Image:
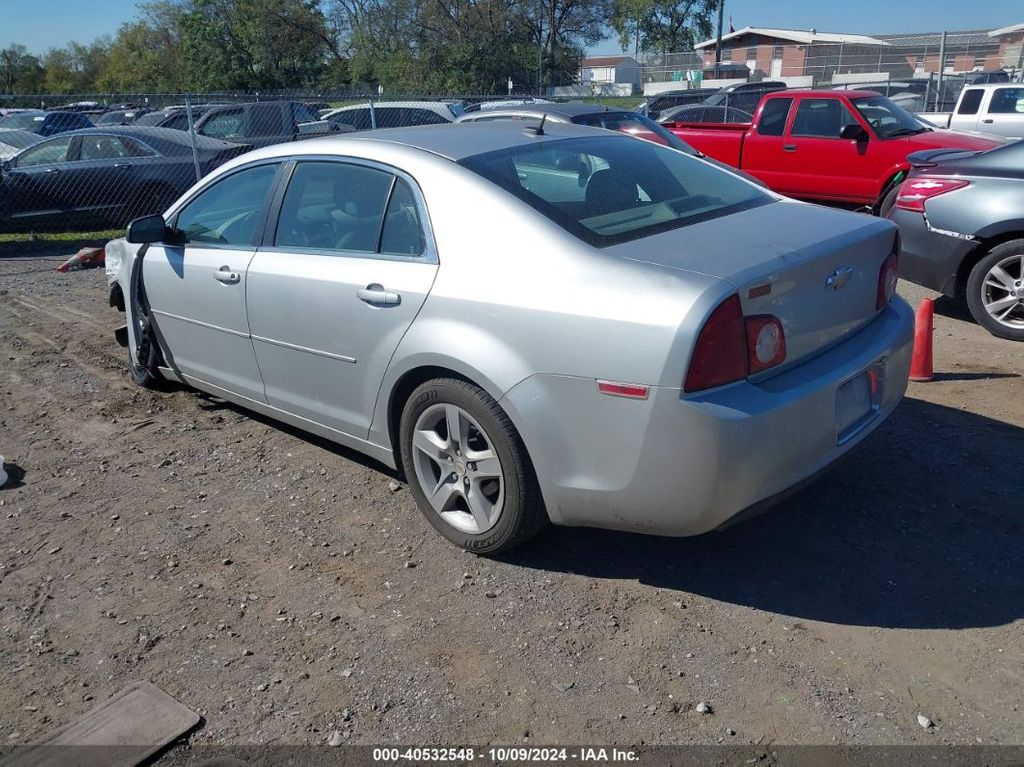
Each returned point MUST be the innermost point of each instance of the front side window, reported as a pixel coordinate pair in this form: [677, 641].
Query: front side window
[1007, 101]
[774, 116]
[610, 190]
[46, 153]
[334, 206]
[821, 118]
[228, 211]
[886, 118]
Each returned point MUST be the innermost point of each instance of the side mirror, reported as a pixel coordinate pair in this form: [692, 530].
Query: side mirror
[148, 229]
[853, 132]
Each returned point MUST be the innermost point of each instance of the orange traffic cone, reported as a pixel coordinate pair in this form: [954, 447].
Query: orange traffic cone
[921, 365]
[86, 258]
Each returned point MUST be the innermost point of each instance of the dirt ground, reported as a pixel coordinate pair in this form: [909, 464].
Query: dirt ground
[284, 588]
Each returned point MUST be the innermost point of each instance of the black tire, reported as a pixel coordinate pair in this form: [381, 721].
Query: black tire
[143, 365]
[888, 201]
[522, 514]
[976, 285]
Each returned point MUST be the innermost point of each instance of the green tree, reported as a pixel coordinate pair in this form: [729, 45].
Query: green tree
[663, 26]
[20, 71]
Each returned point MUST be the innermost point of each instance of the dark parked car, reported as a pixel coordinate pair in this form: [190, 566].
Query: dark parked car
[699, 113]
[594, 115]
[46, 123]
[122, 116]
[669, 99]
[173, 117]
[102, 177]
[264, 123]
[745, 96]
[962, 219]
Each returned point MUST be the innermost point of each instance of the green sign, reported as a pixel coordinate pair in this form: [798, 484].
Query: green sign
[677, 77]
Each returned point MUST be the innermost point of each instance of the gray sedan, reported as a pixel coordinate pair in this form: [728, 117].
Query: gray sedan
[559, 324]
[962, 219]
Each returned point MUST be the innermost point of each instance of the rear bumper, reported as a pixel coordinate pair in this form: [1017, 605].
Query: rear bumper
[682, 465]
[929, 257]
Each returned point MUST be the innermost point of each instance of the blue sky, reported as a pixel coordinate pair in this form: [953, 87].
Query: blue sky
[43, 24]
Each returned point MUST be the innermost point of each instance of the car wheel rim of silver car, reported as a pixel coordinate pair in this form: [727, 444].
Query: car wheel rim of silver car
[1002, 292]
[458, 469]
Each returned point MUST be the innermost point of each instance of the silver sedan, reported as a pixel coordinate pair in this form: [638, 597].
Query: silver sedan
[534, 324]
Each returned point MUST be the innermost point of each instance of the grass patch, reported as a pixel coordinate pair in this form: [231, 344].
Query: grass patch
[16, 244]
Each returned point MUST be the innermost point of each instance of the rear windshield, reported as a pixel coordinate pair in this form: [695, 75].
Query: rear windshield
[22, 121]
[611, 190]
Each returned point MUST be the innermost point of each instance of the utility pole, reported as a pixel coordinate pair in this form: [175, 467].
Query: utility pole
[942, 69]
[540, 48]
[718, 43]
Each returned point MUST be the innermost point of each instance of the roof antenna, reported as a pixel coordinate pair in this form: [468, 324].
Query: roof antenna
[539, 130]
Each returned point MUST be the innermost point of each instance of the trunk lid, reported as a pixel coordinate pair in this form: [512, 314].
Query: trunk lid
[780, 257]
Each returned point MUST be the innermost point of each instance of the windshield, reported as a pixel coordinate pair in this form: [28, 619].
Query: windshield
[607, 190]
[21, 120]
[635, 125]
[887, 119]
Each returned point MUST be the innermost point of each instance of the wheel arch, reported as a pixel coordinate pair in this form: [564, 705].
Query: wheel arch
[988, 239]
[893, 177]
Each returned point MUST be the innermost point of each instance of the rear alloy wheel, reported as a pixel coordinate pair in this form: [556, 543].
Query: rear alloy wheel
[995, 291]
[468, 469]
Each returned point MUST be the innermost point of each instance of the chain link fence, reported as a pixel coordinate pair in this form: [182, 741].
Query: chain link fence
[93, 162]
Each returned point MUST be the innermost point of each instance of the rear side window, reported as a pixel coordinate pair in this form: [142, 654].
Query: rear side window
[334, 206]
[402, 234]
[774, 116]
[228, 212]
[611, 190]
[1007, 101]
[970, 102]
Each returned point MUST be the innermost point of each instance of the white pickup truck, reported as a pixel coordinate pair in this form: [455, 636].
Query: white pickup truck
[994, 108]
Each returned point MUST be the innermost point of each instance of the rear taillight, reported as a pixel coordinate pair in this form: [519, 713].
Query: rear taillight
[730, 346]
[720, 356]
[887, 277]
[916, 191]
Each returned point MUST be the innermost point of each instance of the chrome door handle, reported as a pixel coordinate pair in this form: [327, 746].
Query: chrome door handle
[375, 294]
[225, 275]
[987, 120]
[122, 165]
[52, 170]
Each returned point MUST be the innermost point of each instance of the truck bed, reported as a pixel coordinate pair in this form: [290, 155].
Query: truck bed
[723, 141]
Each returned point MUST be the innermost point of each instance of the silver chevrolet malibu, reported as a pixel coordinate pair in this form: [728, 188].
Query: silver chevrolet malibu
[542, 323]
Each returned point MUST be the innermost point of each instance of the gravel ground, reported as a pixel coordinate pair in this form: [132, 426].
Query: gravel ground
[285, 588]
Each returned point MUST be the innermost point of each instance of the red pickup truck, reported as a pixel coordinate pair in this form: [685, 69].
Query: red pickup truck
[832, 146]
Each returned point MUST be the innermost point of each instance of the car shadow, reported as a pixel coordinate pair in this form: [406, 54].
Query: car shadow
[954, 309]
[922, 526]
[212, 403]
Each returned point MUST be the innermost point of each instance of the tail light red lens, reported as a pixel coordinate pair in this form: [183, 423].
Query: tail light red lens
[887, 277]
[730, 346]
[766, 342]
[915, 192]
[720, 356]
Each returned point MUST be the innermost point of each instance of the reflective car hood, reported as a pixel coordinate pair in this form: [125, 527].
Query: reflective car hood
[950, 139]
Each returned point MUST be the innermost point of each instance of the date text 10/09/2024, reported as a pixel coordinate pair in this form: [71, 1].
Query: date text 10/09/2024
[502, 754]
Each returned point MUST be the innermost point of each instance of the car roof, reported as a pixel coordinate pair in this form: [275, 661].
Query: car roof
[453, 141]
[569, 109]
[151, 135]
[432, 105]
